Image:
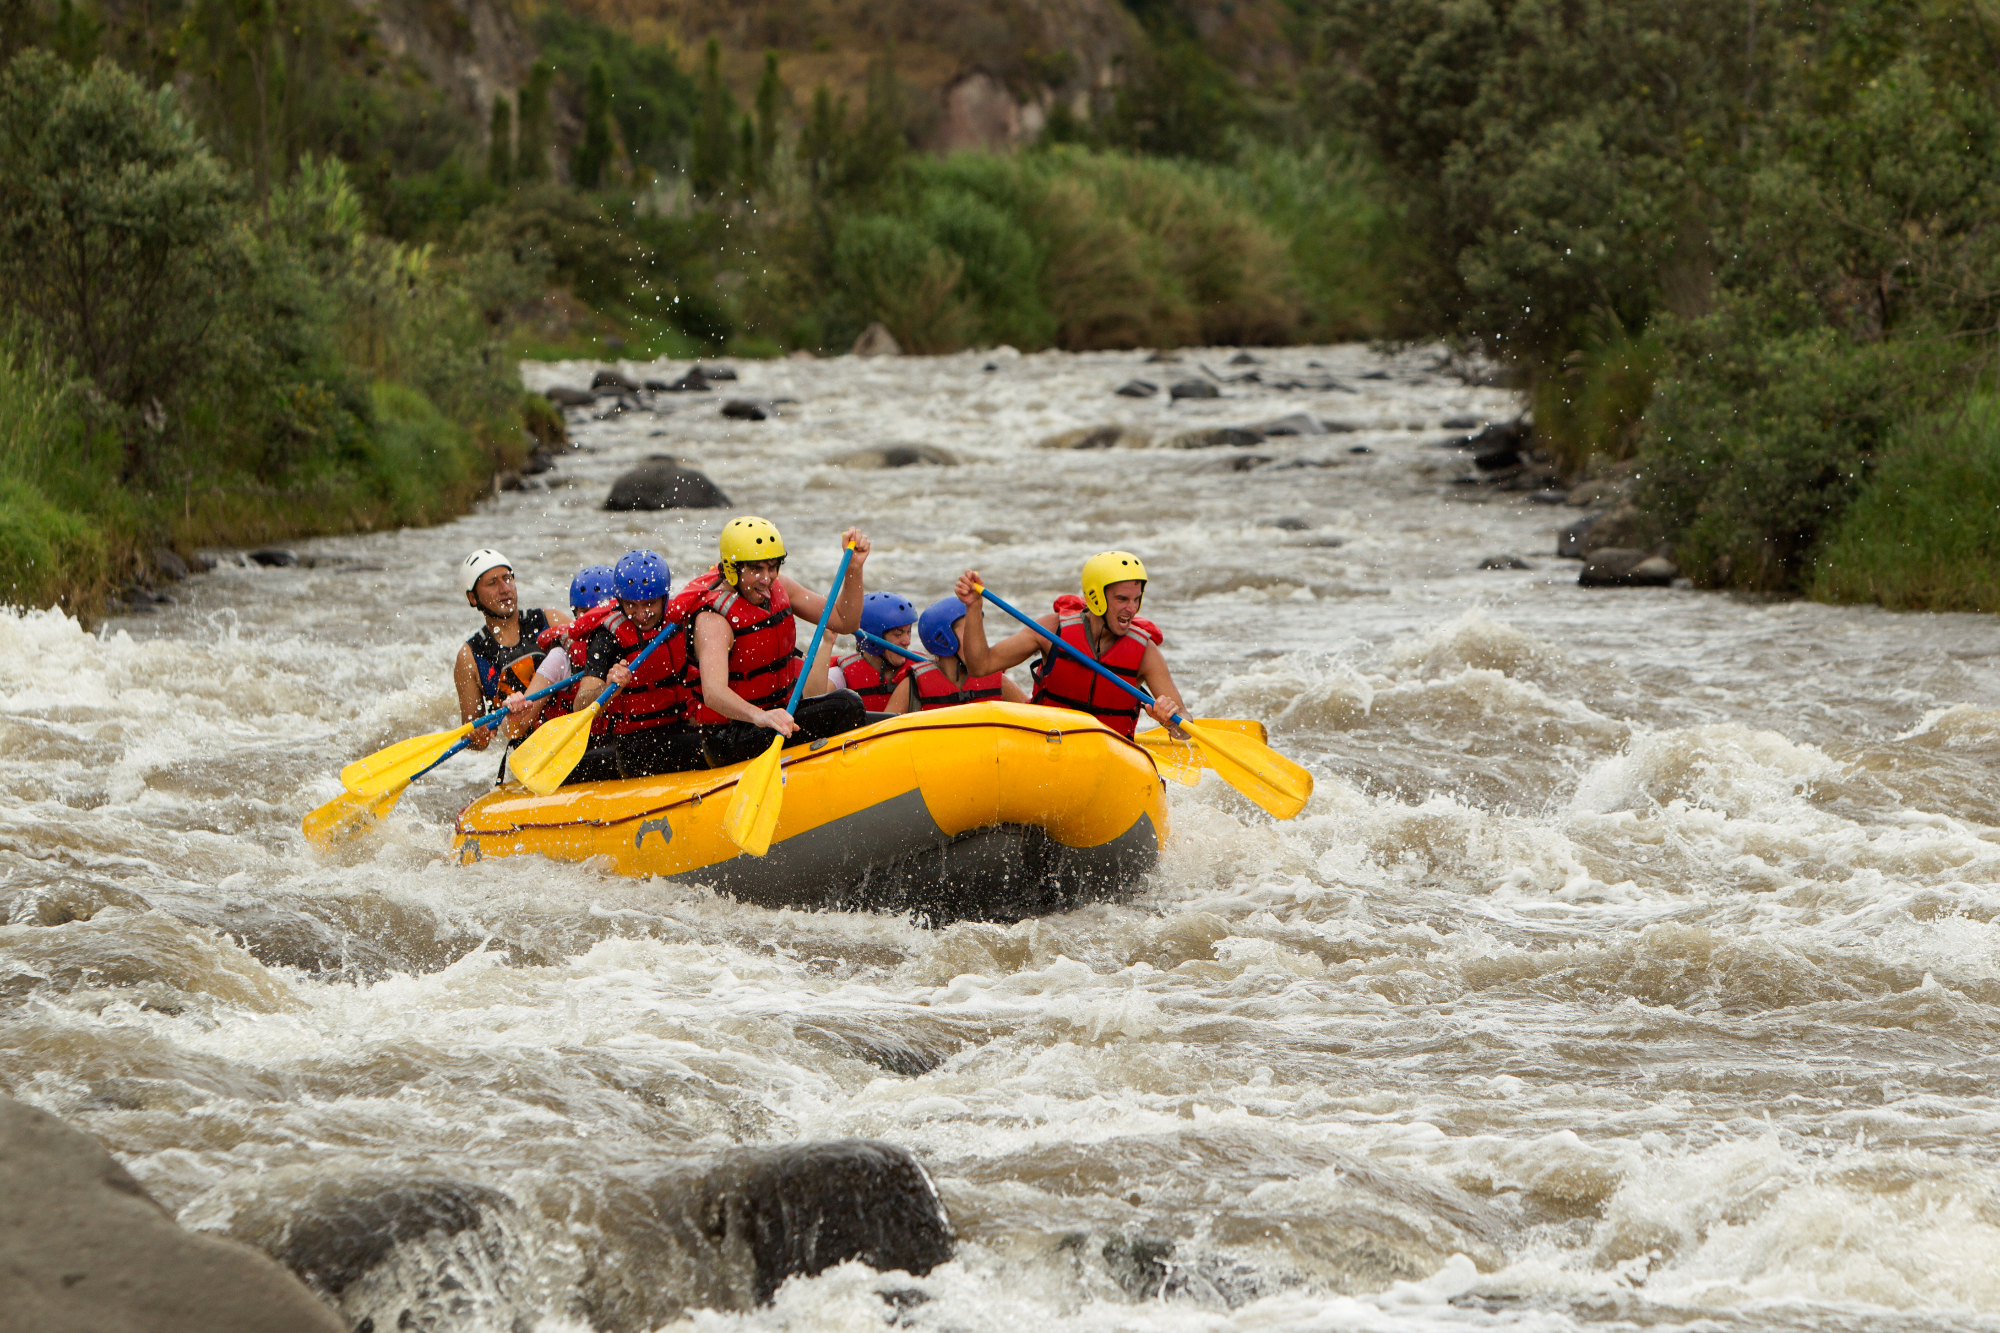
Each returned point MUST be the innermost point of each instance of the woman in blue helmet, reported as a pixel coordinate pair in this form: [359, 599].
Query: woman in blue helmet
[501, 658]
[944, 681]
[592, 598]
[875, 676]
[648, 717]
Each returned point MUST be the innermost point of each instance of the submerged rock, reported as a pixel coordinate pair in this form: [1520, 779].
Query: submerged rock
[876, 340]
[84, 1249]
[663, 483]
[898, 455]
[1298, 423]
[1622, 526]
[1098, 437]
[1569, 542]
[1137, 389]
[564, 396]
[749, 409]
[614, 382]
[1504, 562]
[1626, 567]
[272, 557]
[1194, 389]
[1224, 437]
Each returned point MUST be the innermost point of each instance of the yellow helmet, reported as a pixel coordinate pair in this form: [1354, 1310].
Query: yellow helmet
[749, 539]
[1104, 569]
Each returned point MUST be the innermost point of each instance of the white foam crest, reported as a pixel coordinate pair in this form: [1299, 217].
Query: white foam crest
[1471, 640]
[1735, 770]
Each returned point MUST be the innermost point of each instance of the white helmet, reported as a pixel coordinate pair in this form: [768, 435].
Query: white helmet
[479, 562]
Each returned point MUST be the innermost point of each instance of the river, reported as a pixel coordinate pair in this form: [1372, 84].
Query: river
[1634, 965]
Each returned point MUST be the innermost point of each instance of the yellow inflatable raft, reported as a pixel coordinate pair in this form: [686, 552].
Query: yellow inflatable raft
[995, 811]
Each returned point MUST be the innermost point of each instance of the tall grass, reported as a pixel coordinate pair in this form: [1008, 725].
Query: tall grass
[48, 552]
[1924, 533]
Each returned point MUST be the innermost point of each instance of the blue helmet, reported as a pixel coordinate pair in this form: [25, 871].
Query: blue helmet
[934, 626]
[591, 587]
[884, 611]
[641, 576]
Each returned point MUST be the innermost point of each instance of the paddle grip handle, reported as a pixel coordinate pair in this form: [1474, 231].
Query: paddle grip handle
[1066, 650]
[877, 641]
[489, 720]
[638, 662]
[819, 631]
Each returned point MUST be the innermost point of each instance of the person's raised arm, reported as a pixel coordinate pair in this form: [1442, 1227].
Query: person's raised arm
[846, 617]
[713, 639]
[980, 657]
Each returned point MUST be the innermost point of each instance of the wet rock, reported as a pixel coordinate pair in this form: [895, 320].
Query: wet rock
[1194, 389]
[613, 381]
[168, 564]
[727, 1235]
[1463, 423]
[564, 396]
[347, 1228]
[1098, 437]
[1359, 449]
[1325, 543]
[1163, 358]
[1235, 463]
[714, 374]
[61, 903]
[1290, 524]
[1298, 423]
[202, 562]
[875, 340]
[1548, 497]
[1224, 437]
[84, 1249]
[1137, 389]
[1626, 567]
[898, 455]
[1504, 562]
[272, 557]
[1244, 359]
[1333, 427]
[749, 409]
[1622, 526]
[1493, 437]
[663, 483]
[1374, 375]
[1493, 460]
[1569, 542]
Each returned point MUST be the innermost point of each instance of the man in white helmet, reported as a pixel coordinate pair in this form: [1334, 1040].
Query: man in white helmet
[501, 658]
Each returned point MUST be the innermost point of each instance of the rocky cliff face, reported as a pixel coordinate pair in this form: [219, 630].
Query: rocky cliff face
[474, 50]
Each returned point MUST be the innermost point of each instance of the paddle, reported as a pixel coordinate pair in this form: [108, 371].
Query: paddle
[877, 641]
[403, 761]
[752, 816]
[1252, 767]
[543, 760]
[340, 815]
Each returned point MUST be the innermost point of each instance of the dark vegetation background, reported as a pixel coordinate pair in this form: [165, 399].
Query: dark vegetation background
[266, 270]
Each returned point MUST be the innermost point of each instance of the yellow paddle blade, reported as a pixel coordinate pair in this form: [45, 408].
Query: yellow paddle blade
[1253, 768]
[553, 752]
[752, 816]
[346, 814]
[399, 762]
[1181, 760]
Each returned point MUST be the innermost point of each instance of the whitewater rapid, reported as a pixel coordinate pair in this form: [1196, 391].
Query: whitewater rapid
[1634, 965]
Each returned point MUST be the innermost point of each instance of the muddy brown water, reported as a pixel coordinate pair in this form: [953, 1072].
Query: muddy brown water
[1635, 964]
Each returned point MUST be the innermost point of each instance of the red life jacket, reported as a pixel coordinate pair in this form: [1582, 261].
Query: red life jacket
[569, 636]
[1062, 683]
[764, 659]
[578, 628]
[930, 689]
[658, 695]
[871, 682]
[1069, 604]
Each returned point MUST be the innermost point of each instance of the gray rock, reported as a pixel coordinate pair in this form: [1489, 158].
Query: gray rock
[1493, 460]
[1194, 389]
[695, 380]
[875, 340]
[614, 382]
[1235, 463]
[1290, 524]
[714, 374]
[1098, 437]
[1163, 358]
[1622, 526]
[749, 409]
[1569, 542]
[1298, 423]
[1333, 427]
[564, 396]
[1222, 437]
[272, 557]
[898, 455]
[1359, 449]
[1137, 389]
[168, 564]
[1325, 543]
[1244, 359]
[84, 1249]
[1463, 423]
[1625, 567]
[1504, 562]
[663, 483]
[1374, 375]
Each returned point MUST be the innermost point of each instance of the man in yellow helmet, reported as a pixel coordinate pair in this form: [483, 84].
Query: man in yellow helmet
[742, 619]
[1106, 627]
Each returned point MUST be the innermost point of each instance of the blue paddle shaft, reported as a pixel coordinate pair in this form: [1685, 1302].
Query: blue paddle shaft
[1068, 651]
[491, 719]
[877, 641]
[819, 630]
[637, 662]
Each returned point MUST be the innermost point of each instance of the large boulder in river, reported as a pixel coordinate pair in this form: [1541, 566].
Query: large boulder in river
[611, 381]
[876, 340]
[1194, 389]
[84, 1249]
[1626, 525]
[663, 483]
[1626, 567]
[564, 396]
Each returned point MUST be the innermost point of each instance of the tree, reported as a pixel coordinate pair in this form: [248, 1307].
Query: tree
[116, 234]
[531, 158]
[823, 139]
[713, 115]
[500, 143]
[770, 105]
[593, 155]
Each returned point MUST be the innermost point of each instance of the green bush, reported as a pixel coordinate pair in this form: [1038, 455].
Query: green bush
[1924, 532]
